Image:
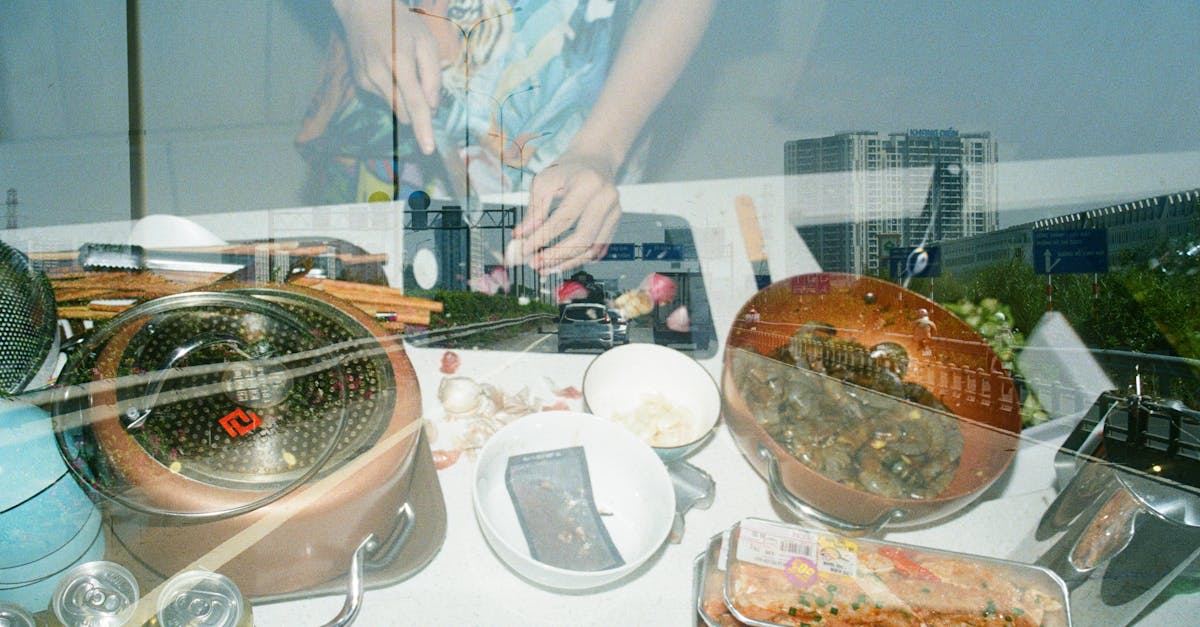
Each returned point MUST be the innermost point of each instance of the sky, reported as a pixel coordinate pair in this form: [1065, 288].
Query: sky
[227, 82]
[1048, 80]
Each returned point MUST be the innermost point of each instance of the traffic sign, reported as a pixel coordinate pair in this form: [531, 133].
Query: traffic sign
[908, 262]
[662, 251]
[619, 252]
[1070, 251]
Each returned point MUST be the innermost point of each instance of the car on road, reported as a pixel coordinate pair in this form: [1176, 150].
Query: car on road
[620, 327]
[585, 325]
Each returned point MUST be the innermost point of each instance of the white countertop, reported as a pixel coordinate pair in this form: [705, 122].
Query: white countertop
[467, 584]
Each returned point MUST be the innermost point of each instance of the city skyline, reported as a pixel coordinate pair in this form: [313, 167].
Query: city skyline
[875, 191]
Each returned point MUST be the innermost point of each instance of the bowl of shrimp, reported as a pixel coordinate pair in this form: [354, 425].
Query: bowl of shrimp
[865, 405]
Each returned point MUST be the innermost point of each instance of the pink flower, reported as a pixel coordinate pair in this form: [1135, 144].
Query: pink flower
[484, 284]
[660, 288]
[500, 276]
[679, 320]
[571, 290]
[490, 284]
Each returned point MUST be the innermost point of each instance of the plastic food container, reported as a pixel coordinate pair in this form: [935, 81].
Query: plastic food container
[710, 585]
[778, 574]
[47, 522]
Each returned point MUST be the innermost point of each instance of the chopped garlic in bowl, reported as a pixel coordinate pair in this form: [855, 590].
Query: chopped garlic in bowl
[658, 421]
[664, 396]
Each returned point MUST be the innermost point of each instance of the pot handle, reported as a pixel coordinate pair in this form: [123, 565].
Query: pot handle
[387, 551]
[354, 592]
[798, 507]
[371, 552]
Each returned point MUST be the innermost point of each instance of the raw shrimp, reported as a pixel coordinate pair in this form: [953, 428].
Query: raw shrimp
[845, 411]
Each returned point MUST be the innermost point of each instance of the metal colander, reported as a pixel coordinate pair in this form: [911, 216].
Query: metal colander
[28, 323]
[207, 404]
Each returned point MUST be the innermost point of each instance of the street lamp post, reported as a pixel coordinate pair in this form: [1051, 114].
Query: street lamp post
[466, 35]
[520, 168]
[502, 135]
[521, 156]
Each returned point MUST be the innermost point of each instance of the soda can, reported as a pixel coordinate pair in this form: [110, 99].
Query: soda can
[201, 598]
[13, 615]
[95, 594]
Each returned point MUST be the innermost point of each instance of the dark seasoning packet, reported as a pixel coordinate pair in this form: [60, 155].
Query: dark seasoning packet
[552, 494]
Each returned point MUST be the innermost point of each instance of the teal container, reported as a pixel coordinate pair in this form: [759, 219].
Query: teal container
[47, 522]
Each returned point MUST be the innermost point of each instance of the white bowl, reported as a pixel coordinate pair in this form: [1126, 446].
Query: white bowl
[628, 480]
[619, 380]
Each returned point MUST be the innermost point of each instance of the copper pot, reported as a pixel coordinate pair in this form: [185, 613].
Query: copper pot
[193, 454]
[948, 358]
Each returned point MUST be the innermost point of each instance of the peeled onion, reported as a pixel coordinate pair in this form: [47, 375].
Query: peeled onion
[460, 395]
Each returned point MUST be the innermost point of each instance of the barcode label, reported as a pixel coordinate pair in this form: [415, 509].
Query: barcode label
[798, 550]
[772, 545]
[776, 545]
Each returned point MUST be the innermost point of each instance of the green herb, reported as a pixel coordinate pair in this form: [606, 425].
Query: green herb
[817, 618]
[990, 609]
[856, 605]
[792, 611]
[878, 605]
[821, 602]
[925, 590]
[831, 588]
[983, 584]
[833, 610]
[1016, 611]
[1008, 619]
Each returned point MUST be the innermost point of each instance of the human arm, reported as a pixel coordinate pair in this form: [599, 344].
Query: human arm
[394, 55]
[661, 38]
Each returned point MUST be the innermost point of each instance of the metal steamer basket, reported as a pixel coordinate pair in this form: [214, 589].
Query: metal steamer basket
[202, 414]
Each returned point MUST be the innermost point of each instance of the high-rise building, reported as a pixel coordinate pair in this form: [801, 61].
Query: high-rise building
[857, 194]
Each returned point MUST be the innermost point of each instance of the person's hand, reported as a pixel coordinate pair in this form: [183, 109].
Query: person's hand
[585, 189]
[413, 83]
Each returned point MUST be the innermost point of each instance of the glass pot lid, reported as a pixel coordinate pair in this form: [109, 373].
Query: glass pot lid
[203, 405]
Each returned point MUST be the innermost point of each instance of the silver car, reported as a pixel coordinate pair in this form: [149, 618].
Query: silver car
[585, 325]
[620, 327]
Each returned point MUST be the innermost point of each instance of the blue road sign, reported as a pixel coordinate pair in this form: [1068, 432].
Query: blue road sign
[1070, 251]
[619, 252]
[907, 262]
[662, 251]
